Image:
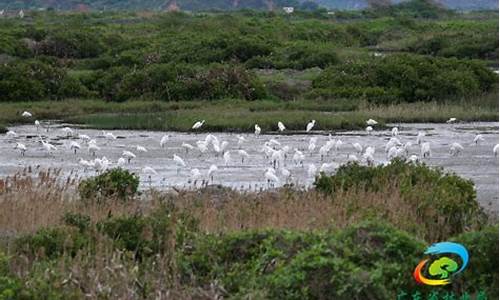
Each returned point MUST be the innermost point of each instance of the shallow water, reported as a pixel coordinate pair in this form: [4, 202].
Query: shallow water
[476, 162]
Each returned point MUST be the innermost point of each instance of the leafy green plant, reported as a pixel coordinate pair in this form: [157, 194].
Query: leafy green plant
[116, 182]
[406, 77]
[52, 243]
[445, 203]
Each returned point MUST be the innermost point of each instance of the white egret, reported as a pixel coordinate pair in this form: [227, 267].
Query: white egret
[277, 158]
[164, 140]
[84, 138]
[338, 143]
[371, 122]
[413, 158]
[86, 164]
[198, 125]
[37, 125]
[202, 146]
[285, 173]
[257, 129]
[179, 162]
[108, 135]
[310, 125]
[271, 177]
[211, 171]
[195, 174]
[128, 155]
[281, 126]
[456, 148]
[21, 147]
[352, 158]
[328, 167]
[141, 149]
[298, 157]
[93, 148]
[48, 147]
[274, 142]
[395, 131]
[312, 170]
[26, 114]
[370, 150]
[420, 137]
[241, 140]
[369, 129]
[68, 131]
[243, 155]
[227, 158]
[368, 157]
[11, 134]
[74, 146]
[323, 151]
[149, 172]
[187, 147]
[451, 120]
[357, 147]
[478, 138]
[425, 150]
[121, 161]
[407, 147]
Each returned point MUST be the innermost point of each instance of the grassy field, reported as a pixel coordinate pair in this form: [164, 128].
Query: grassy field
[240, 116]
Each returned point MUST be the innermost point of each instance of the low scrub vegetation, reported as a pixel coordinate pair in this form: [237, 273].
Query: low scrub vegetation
[444, 203]
[117, 183]
[407, 78]
[177, 56]
[358, 235]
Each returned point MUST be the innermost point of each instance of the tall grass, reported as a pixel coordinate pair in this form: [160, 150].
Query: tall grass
[212, 243]
[31, 200]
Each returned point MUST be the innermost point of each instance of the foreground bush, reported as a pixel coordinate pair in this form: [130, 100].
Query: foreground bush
[370, 260]
[117, 183]
[445, 204]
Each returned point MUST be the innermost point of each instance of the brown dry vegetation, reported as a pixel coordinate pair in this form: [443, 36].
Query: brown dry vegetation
[215, 243]
[29, 202]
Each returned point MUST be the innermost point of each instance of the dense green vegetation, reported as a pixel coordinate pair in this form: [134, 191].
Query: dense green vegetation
[365, 261]
[177, 56]
[349, 61]
[112, 183]
[432, 192]
[200, 5]
[166, 244]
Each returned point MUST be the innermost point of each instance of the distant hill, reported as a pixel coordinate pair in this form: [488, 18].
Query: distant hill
[200, 5]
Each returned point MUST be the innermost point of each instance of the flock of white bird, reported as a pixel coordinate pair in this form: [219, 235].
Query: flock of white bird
[274, 153]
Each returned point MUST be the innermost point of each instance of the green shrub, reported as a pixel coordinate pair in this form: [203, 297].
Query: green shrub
[82, 222]
[71, 44]
[171, 82]
[29, 80]
[482, 271]
[10, 287]
[408, 78]
[142, 235]
[52, 243]
[116, 182]
[445, 203]
[365, 261]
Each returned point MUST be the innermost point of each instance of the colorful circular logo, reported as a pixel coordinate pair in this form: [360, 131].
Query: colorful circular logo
[444, 267]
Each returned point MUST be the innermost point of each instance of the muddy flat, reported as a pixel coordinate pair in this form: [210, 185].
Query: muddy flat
[476, 161]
